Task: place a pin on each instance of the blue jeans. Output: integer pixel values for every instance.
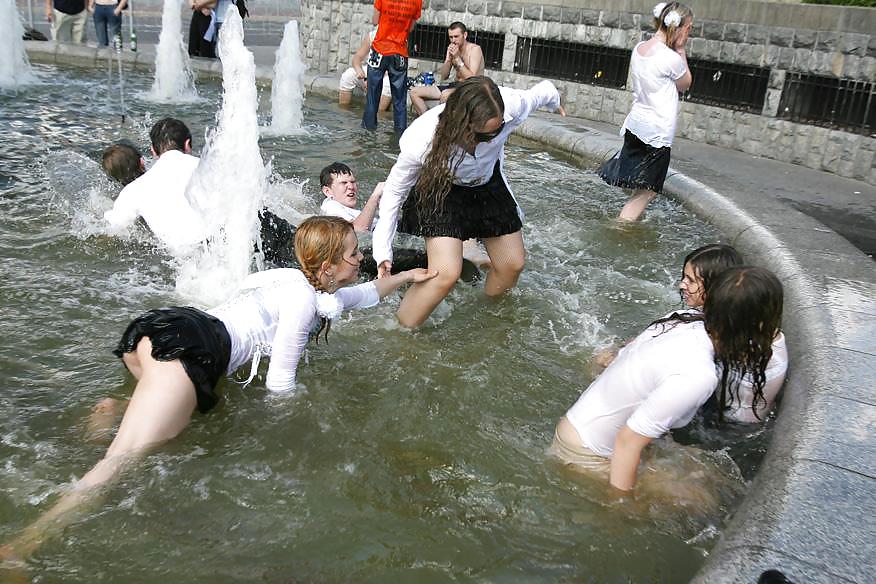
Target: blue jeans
(397, 67)
(106, 23)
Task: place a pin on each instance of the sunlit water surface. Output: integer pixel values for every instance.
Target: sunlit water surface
(402, 456)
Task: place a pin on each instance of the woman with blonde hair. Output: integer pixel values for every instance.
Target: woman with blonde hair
(179, 354)
(450, 161)
(659, 71)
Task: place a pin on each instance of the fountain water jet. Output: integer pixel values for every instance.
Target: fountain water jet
(14, 65)
(229, 185)
(287, 89)
(174, 81)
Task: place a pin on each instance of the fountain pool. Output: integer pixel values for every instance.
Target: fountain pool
(402, 455)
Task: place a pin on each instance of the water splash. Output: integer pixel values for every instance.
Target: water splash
(14, 65)
(228, 187)
(287, 89)
(174, 81)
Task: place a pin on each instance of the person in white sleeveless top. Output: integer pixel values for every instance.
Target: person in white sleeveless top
(659, 71)
(354, 77)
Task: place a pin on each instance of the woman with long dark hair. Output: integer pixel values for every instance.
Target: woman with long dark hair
(451, 163)
(659, 381)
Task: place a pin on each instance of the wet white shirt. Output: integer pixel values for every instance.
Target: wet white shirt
(474, 170)
(274, 313)
(655, 383)
(655, 97)
(159, 197)
(335, 209)
(740, 410)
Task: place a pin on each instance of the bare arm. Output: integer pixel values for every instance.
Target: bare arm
(50, 15)
(628, 446)
(363, 222)
(444, 69)
(120, 6)
(388, 284)
(375, 17)
(360, 55)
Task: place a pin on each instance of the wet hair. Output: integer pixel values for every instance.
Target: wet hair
(320, 239)
(169, 134)
(671, 31)
(459, 26)
(327, 175)
(474, 102)
(122, 162)
(743, 314)
(710, 260)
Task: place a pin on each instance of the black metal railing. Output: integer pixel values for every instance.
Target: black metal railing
(740, 87)
(592, 64)
(428, 41)
(844, 104)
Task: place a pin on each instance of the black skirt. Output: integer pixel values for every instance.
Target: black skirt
(637, 165)
(480, 212)
(198, 340)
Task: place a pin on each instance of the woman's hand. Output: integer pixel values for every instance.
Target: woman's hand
(418, 275)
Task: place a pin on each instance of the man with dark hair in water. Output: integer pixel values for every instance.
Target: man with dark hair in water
(123, 163)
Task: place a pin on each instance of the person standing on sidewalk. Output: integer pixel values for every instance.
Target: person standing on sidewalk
(389, 54)
(107, 19)
(67, 18)
(659, 72)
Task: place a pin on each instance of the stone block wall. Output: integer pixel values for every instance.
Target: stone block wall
(820, 40)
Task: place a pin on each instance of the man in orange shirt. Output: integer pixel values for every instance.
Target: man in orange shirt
(389, 54)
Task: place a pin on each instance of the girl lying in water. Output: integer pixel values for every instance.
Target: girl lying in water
(660, 379)
(179, 354)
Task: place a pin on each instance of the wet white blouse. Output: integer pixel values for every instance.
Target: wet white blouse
(159, 197)
(474, 169)
(740, 410)
(655, 383)
(274, 313)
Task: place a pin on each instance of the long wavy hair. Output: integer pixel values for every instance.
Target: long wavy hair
(710, 260)
(743, 314)
(672, 31)
(317, 240)
(474, 102)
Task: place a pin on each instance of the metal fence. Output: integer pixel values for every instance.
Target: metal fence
(740, 87)
(428, 41)
(844, 104)
(578, 62)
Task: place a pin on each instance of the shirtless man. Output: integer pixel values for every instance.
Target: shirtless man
(355, 76)
(463, 58)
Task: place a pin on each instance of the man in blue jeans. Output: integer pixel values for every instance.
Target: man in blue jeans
(389, 54)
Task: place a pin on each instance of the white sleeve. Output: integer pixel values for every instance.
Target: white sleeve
(124, 211)
(293, 331)
(678, 397)
(359, 296)
(520, 103)
(675, 66)
(401, 180)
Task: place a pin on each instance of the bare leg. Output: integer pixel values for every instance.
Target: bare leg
(345, 97)
(471, 250)
(160, 408)
(445, 256)
(103, 417)
(508, 258)
(419, 95)
(636, 205)
(385, 102)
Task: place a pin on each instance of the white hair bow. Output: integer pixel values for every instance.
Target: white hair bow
(673, 18)
(658, 9)
(328, 306)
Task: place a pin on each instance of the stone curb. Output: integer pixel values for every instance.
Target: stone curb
(810, 508)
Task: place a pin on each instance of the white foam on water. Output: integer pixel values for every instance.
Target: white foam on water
(174, 81)
(229, 185)
(287, 88)
(14, 66)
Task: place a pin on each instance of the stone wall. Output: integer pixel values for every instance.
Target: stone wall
(822, 40)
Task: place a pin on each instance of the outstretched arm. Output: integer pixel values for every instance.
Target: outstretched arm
(362, 223)
(628, 446)
(391, 283)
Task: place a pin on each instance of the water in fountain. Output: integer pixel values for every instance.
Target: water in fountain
(173, 71)
(287, 90)
(230, 182)
(14, 66)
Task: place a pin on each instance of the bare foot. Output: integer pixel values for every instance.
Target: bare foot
(104, 416)
(13, 569)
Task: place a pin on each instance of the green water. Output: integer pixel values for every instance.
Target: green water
(403, 456)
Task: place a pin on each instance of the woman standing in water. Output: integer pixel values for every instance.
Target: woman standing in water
(659, 72)
(452, 157)
(659, 381)
(179, 354)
